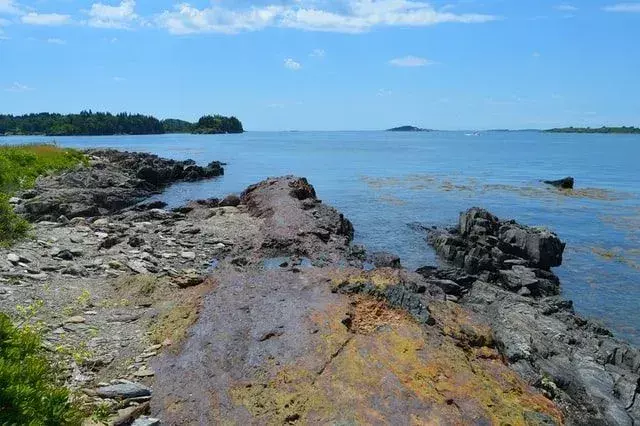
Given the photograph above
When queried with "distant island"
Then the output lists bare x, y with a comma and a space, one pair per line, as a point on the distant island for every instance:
620, 130
408, 129
89, 123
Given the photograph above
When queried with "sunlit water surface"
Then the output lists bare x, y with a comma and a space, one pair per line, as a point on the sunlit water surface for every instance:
385, 181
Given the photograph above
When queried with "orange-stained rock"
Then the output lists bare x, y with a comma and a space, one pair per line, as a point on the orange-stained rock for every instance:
336, 359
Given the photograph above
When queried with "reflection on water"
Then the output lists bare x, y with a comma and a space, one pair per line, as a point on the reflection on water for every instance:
383, 181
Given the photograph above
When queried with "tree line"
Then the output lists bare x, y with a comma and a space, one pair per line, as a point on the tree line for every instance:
89, 123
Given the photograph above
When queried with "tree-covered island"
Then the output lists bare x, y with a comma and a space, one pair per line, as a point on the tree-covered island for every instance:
408, 129
89, 123
603, 129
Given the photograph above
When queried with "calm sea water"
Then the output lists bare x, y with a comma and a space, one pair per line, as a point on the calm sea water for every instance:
385, 181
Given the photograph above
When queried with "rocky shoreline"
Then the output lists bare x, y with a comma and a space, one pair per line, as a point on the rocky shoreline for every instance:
109, 182
501, 271
259, 309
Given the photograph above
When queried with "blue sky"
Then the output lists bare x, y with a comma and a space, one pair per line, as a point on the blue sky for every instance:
327, 65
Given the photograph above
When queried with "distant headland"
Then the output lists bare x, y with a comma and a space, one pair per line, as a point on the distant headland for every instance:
621, 130
407, 129
89, 123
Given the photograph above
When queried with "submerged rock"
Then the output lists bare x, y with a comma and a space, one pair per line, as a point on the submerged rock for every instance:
566, 183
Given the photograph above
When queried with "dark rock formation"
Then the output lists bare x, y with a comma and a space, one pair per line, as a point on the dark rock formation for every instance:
295, 221
501, 272
385, 260
230, 201
406, 292
111, 181
517, 257
566, 183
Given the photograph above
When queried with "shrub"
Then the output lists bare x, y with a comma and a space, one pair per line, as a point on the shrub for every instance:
29, 389
12, 226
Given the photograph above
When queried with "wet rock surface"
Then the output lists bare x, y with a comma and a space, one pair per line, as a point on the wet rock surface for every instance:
501, 271
111, 181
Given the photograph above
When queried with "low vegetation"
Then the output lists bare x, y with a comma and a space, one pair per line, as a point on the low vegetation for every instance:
20, 166
30, 392
89, 123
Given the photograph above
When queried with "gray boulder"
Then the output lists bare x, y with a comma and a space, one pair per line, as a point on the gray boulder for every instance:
123, 391
543, 249
385, 260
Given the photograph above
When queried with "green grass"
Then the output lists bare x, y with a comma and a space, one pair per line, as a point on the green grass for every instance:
30, 393
20, 166
30, 390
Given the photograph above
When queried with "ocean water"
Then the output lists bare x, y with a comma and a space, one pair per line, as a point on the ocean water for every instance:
385, 181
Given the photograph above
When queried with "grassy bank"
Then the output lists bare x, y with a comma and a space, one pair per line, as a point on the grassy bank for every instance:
20, 166
30, 390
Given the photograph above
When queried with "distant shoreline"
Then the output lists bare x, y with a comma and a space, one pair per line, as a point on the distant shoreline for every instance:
603, 130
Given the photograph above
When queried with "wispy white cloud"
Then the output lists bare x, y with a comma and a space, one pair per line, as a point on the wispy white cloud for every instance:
18, 87
186, 19
410, 61
384, 92
122, 16
536, 54
624, 7
318, 53
3, 23
119, 79
49, 19
9, 6
56, 41
292, 65
345, 16
565, 8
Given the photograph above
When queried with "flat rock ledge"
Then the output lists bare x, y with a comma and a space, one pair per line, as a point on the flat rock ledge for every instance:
501, 271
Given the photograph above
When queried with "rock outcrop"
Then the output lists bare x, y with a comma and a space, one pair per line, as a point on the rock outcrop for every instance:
296, 331
111, 181
501, 271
